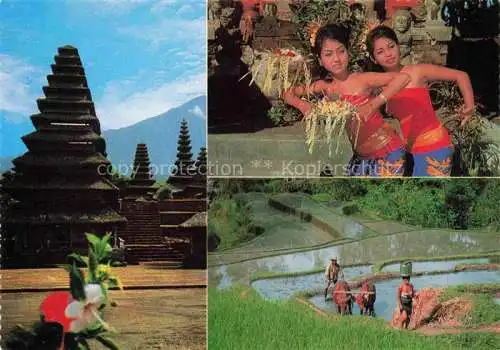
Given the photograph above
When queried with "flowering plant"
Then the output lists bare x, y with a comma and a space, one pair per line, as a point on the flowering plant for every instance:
70, 319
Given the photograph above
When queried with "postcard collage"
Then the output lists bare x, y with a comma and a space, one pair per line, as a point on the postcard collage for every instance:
249, 174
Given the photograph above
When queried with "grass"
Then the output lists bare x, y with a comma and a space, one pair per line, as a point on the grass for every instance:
484, 310
495, 259
473, 340
240, 318
231, 220
321, 197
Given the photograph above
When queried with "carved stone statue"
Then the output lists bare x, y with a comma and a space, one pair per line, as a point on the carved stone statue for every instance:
227, 18
283, 9
401, 24
214, 9
419, 13
433, 8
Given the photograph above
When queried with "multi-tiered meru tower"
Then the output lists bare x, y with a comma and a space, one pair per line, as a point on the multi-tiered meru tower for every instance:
142, 181
60, 187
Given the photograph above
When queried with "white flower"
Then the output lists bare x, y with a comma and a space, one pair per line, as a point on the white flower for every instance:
85, 312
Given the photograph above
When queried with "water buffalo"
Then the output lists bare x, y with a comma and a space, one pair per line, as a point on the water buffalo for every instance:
366, 299
342, 297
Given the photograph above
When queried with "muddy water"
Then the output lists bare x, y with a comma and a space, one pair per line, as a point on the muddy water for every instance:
282, 288
431, 243
427, 266
386, 290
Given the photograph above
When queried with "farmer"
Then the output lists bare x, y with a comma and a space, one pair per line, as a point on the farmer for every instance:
405, 294
332, 273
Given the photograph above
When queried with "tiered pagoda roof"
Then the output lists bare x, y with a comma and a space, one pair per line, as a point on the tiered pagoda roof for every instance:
201, 163
142, 180
184, 165
189, 179
63, 177
199, 186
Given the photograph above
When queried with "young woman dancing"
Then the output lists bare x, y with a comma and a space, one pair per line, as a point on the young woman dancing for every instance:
378, 149
424, 135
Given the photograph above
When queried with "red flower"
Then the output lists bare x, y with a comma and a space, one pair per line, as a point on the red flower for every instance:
53, 306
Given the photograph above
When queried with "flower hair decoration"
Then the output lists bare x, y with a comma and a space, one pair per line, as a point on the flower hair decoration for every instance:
312, 31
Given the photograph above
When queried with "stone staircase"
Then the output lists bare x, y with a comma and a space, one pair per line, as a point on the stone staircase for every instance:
143, 237
149, 222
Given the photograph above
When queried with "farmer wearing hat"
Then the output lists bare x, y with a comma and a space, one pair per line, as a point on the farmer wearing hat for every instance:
332, 273
405, 294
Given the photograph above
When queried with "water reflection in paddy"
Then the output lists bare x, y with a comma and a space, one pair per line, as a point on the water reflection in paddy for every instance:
427, 266
282, 288
432, 243
386, 290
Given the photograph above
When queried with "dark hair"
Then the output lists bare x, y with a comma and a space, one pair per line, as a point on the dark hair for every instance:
377, 33
333, 32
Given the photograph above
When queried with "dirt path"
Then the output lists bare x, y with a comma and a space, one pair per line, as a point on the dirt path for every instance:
134, 276
144, 319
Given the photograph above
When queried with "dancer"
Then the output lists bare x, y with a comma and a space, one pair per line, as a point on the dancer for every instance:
423, 134
378, 149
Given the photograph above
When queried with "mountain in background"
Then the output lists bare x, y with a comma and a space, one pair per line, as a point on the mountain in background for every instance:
160, 133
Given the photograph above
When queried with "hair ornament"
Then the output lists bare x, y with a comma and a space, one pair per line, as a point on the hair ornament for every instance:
312, 31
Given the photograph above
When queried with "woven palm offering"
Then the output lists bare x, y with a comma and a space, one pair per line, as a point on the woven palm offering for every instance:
328, 119
278, 70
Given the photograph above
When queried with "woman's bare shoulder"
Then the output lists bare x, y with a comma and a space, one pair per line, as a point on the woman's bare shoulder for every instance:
418, 68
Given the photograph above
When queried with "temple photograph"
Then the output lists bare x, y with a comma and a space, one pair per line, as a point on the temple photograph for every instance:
376, 88
103, 180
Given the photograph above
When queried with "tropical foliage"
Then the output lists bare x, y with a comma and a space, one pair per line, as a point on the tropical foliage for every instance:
69, 320
310, 14
476, 154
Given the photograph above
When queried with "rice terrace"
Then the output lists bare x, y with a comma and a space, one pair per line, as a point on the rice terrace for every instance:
270, 240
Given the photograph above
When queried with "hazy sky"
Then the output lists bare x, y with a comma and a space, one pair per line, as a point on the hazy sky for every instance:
141, 57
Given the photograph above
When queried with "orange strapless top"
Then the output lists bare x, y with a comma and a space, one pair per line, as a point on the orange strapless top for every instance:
421, 128
374, 138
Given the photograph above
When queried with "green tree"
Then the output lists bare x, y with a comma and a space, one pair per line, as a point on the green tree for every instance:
459, 197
